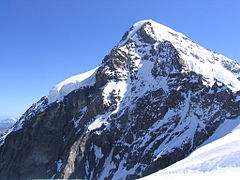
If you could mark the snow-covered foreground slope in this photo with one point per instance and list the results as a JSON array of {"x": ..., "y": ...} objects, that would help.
[
  {"x": 218, "y": 174},
  {"x": 218, "y": 159}
]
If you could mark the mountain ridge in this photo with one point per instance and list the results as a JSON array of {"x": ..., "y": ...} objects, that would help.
[
  {"x": 168, "y": 34},
  {"x": 144, "y": 108}
]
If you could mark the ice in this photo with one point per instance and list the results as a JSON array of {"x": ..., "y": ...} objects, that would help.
[{"x": 71, "y": 84}]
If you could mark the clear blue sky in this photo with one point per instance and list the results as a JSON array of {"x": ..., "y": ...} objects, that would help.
[{"x": 43, "y": 42}]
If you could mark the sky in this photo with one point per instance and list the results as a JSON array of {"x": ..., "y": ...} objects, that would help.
[{"x": 43, "y": 42}]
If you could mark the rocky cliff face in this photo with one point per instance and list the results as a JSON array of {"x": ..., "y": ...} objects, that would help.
[{"x": 155, "y": 98}]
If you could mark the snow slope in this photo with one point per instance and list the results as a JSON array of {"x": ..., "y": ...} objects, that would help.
[
  {"x": 218, "y": 159},
  {"x": 218, "y": 174}
]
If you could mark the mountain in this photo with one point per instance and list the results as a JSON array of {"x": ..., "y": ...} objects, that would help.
[
  {"x": 218, "y": 159},
  {"x": 154, "y": 99},
  {"x": 6, "y": 123}
]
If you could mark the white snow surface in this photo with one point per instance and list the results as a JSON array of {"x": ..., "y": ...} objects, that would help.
[
  {"x": 218, "y": 159},
  {"x": 65, "y": 87}
]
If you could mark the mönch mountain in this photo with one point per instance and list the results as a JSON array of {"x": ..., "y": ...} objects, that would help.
[{"x": 155, "y": 98}]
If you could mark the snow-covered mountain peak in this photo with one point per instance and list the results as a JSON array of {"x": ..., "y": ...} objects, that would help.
[
  {"x": 149, "y": 37},
  {"x": 149, "y": 40},
  {"x": 154, "y": 30}
]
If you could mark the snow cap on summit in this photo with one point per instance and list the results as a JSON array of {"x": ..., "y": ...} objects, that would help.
[
  {"x": 160, "y": 31},
  {"x": 193, "y": 57},
  {"x": 149, "y": 34}
]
